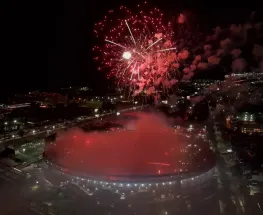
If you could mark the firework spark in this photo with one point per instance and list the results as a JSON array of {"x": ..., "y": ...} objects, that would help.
[{"x": 138, "y": 49}]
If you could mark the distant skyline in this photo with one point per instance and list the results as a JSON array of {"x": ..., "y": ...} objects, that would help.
[{"x": 49, "y": 44}]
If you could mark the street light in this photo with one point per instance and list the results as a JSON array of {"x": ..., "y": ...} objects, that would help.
[
  {"x": 15, "y": 121},
  {"x": 6, "y": 123}
]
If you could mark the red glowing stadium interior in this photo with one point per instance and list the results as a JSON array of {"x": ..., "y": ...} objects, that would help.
[{"x": 151, "y": 150}]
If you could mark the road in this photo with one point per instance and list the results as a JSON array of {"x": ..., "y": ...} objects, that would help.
[
  {"x": 233, "y": 194},
  {"x": 45, "y": 130}
]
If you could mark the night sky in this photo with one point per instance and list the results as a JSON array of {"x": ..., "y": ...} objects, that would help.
[{"x": 47, "y": 44}]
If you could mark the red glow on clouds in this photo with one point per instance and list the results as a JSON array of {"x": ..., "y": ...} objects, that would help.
[
  {"x": 152, "y": 148},
  {"x": 122, "y": 152}
]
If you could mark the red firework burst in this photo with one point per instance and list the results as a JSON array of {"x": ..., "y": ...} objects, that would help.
[{"x": 138, "y": 48}]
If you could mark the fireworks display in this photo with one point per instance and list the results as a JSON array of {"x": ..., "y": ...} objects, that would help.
[
  {"x": 148, "y": 56},
  {"x": 138, "y": 49}
]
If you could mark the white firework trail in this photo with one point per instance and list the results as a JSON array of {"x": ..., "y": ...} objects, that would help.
[
  {"x": 130, "y": 32},
  {"x": 133, "y": 70},
  {"x": 164, "y": 50},
  {"x": 153, "y": 44},
  {"x": 116, "y": 44},
  {"x": 139, "y": 53},
  {"x": 128, "y": 66}
]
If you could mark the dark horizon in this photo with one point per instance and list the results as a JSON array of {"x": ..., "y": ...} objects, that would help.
[{"x": 48, "y": 45}]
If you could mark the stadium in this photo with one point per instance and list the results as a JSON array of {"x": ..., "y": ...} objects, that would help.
[{"x": 150, "y": 161}]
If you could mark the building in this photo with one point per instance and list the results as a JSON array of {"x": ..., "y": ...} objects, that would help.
[
  {"x": 159, "y": 164},
  {"x": 246, "y": 122}
]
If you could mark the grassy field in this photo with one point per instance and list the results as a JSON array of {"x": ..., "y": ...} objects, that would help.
[{"x": 30, "y": 151}]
